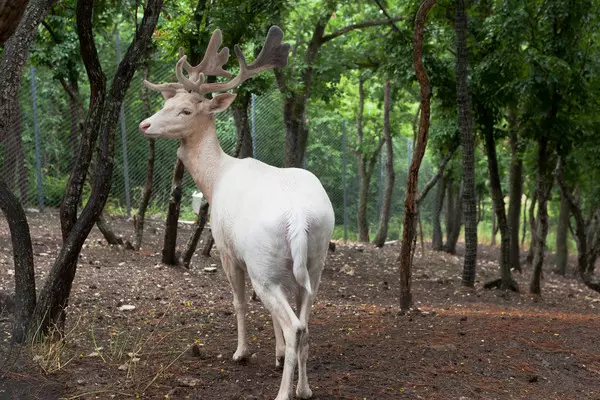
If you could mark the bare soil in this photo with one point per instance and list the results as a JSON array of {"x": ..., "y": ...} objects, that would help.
[{"x": 178, "y": 341}]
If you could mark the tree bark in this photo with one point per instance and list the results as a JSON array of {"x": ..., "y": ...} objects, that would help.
[
  {"x": 469, "y": 199},
  {"x": 140, "y": 217},
  {"x": 562, "y": 231},
  {"x": 438, "y": 237},
  {"x": 455, "y": 218},
  {"x": 542, "y": 216},
  {"x": 515, "y": 193},
  {"x": 384, "y": 217},
  {"x": 193, "y": 240},
  {"x": 239, "y": 109},
  {"x": 14, "y": 56},
  {"x": 170, "y": 239},
  {"x": 53, "y": 299},
  {"x": 506, "y": 281},
  {"x": 524, "y": 223},
  {"x": 23, "y": 260},
  {"x": 410, "y": 207},
  {"x": 532, "y": 227}
]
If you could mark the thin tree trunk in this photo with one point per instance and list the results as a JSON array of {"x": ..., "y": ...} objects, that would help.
[
  {"x": 506, "y": 281},
  {"x": 456, "y": 221},
  {"x": 170, "y": 238},
  {"x": 542, "y": 216},
  {"x": 140, "y": 217},
  {"x": 364, "y": 178},
  {"x": 384, "y": 218},
  {"x": 239, "y": 110},
  {"x": 193, "y": 240},
  {"x": 437, "y": 240},
  {"x": 562, "y": 231},
  {"x": 514, "y": 203},
  {"x": 524, "y": 223},
  {"x": 208, "y": 246},
  {"x": 450, "y": 216},
  {"x": 494, "y": 229},
  {"x": 23, "y": 260},
  {"x": 469, "y": 198},
  {"x": 532, "y": 227},
  {"x": 410, "y": 206}
]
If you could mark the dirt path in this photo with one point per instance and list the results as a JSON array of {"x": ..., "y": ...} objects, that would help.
[{"x": 178, "y": 341}]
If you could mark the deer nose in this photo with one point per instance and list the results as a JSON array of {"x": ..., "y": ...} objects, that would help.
[{"x": 144, "y": 125}]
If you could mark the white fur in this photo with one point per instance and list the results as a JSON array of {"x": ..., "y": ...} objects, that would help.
[{"x": 273, "y": 224}]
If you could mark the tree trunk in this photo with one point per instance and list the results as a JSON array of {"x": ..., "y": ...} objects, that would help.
[
  {"x": 437, "y": 240},
  {"x": 193, "y": 240},
  {"x": 239, "y": 109},
  {"x": 384, "y": 217},
  {"x": 139, "y": 218},
  {"x": 562, "y": 231},
  {"x": 494, "y": 229},
  {"x": 53, "y": 299},
  {"x": 515, "y": 194},
  {"x": 469, "y": 198},
  {"x": 581, "y": 232},
  {"x": 18, "y": 29},
  {"x": 23, "y": 260},
  {"x": 410, "y": 206},
  {"x": 524, "y": 224},
  {"x": 208, "y": 246},
  {"x": 506, "y": 281},
  {"x": 170, "y": 239},
  {"x": 532, "y": 227},
  {"x": 542, "y": 216},
  {"x": 455, "y": 210},
  {"x": 17, "y": 38}
]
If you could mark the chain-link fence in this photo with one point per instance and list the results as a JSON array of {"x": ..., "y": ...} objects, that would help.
[{"x": 37, "y": 156}]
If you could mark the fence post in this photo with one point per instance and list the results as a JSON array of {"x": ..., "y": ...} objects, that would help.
[
  {"x": 345, "y": 163},
  {"x": 124, "y": 138},
  {"x": 253, "y": 127},
  {"x": 36, "y": 129}
]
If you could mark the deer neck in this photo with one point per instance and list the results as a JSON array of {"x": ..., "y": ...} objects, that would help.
[{"x": 203, "y": 158}]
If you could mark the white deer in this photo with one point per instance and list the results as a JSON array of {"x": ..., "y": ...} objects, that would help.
[{"x": 272, "y": 223}]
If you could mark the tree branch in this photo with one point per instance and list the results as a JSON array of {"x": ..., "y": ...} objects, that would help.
[
  {"x": 382, "y": 8},
  {"x": 437, "y": 176},
  {"x": 361, "y": 25}
]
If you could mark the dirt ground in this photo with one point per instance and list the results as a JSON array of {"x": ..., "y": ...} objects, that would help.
[{"x": 178, "y": 341}]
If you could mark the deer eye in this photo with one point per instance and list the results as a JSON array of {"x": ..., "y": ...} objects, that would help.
[{"x": 185, "y": 111}]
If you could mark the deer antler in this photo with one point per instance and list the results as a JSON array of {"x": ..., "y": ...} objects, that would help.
[
  {"x": 274, "y": 54},
  {"x": 212, "y": 62}
]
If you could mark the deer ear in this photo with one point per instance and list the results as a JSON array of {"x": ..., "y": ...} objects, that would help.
[
  {"x": 167, "y": 94},
  {"x": 220, "y": 102}
]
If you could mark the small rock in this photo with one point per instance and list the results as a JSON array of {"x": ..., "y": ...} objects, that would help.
[
  {"x": 188, "y": 381},
  {"x": 348, "y": 270},
  {"x": 80, "y": 382},
  {"x": 533, "y": 379},
  {"x": 210, "y": 269},
  {"x": 463, "y": 319},
  {"x": 123, "y": 367},
  {"x": 254, "y": 356},
  {"x": 126, "y": 307}
]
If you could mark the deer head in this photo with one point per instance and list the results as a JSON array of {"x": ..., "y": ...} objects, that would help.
[{"x": 187, "y": 109}]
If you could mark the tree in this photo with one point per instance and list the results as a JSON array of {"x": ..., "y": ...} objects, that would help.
[
  {"x": 410, "y": 206},
  {"x": 16, "y": 49},
  {"x": 297, "y": 81},
  {"x": 469, "y": 200}
]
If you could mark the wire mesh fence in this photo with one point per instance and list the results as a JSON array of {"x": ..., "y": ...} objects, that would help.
[{"x": 37, "y": 156}]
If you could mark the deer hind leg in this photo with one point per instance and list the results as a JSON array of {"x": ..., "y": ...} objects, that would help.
[
  {"x": 279, "y": 344},
  {"x": 277, "y": 303},
  {"x": 236, "y": 277},
  {"x": 304, "y": 303}
]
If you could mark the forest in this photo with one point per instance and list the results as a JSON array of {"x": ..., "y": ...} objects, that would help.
[{"x": 458, "y": 142}]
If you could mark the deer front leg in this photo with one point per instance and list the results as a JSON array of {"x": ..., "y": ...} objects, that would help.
[{"x": 236, "y": 277}]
